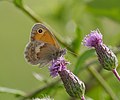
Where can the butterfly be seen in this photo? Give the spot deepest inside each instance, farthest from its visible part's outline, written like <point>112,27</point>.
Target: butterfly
<point>42,47</point>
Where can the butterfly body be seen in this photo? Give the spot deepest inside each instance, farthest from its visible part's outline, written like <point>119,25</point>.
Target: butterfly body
<point>42,48</point>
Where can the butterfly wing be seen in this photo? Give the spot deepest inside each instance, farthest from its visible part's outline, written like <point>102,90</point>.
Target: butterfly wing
<point>41,53</point>
<point>41,33</point>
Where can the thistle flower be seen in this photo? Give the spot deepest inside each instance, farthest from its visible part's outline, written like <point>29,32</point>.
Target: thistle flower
<point>93,39</point>
<point>58,65</point>
<point>73,86</point>
<point>105,56</point>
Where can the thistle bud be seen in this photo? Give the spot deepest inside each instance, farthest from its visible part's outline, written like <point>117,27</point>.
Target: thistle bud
<point>106,57</point>
<point>74,87</point>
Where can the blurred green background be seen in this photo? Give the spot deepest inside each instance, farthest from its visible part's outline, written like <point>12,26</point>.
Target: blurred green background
<point>71,20</point>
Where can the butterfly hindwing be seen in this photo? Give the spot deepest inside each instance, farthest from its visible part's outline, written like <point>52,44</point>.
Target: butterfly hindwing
<point>40,53</point>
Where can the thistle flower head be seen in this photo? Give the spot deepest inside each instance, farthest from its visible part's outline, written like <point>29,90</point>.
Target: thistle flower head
<point>105,56</point>
<point>93,39</point>
<point>58,65</point>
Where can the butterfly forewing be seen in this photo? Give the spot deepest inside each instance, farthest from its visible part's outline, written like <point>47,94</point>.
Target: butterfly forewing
<point>45,35</point>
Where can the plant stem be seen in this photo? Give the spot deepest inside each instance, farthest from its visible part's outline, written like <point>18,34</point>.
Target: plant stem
<point>116,74</point>
<point>103,83</point>
<point>31,13</point>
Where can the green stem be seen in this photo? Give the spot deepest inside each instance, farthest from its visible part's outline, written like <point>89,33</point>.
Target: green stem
<point>31,13</point>
<point>103,83</point>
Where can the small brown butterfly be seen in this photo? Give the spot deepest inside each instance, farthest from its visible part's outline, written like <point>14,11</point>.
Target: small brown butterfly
<point>43,47</point>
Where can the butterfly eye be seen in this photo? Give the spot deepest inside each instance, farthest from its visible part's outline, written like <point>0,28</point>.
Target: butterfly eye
<point>40,30</point>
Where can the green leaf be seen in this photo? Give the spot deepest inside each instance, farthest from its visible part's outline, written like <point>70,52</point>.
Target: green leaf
<point>12,91</point>
<point>82,58</point>
<point>77,41</point>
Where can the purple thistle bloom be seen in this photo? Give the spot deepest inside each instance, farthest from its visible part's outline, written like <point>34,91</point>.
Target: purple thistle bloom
<point>93,39</point>
<point>57,66</point>
<point>106,57</point>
